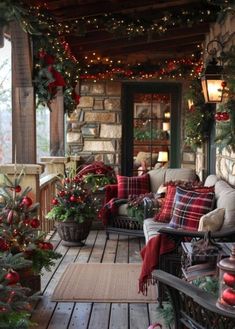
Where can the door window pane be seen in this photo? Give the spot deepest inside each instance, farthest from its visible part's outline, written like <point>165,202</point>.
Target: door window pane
<point>151,131</point>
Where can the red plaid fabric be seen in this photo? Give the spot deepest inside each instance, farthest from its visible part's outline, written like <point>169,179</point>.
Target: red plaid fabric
<point>111,191</point>
<point>190,206</point>
<point>166,211</point>
<point>132,185</point>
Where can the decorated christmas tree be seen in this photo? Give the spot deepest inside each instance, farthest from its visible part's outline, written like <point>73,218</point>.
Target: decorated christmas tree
<point>15,305</point>
<point>19,227</point>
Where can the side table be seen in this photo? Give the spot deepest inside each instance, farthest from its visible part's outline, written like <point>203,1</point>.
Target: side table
<point>193,267</point>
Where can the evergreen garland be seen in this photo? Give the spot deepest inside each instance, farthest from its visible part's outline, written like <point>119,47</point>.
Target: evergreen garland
<point>225,130</point>
<point>198,118</point>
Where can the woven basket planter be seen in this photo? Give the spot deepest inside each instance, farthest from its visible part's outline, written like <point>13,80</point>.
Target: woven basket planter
<point>73,233</point>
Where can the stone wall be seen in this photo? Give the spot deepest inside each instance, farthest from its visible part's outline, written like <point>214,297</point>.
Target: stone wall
<point>94,129</point>
<point>225,161</point>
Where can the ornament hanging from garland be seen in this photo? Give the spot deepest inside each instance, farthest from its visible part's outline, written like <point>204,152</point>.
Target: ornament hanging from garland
<point>222,116</point>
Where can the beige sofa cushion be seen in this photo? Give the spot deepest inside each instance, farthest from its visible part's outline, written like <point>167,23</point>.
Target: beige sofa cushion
<point>157,177</point>
<point>151,228</point>
<point>162,175</point>
<point>225,198</point>
<point>211,180</point>
<point>212,221</point>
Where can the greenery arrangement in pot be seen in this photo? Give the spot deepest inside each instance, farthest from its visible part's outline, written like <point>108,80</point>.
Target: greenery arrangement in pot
<point>96,175</point>
<point>74,208</point>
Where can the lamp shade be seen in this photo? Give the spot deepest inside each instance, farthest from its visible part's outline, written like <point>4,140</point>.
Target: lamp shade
<point>166,126</point>
<point>163,156</point>
<point>211,81</point>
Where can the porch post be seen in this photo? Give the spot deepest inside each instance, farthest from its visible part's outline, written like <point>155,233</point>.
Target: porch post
<point>57,147</point>
<point>23,104</point>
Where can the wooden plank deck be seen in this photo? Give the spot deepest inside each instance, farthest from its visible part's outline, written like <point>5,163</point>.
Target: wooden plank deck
<point>119,249</point>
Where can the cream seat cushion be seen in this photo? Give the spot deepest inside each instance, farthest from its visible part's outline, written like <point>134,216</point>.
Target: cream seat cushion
<point>151,228</point>
<point>212,221</point>
<point>225,198</point>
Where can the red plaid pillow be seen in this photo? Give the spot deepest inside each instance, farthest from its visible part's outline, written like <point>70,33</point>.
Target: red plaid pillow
<point>132,185</point>
<point>189,207</point>
<point>166,210</point>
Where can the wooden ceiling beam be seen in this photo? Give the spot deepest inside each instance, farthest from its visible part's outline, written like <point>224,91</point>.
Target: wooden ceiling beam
<point>159,46</point>
<point>94,39</point>
<point>63,12</point>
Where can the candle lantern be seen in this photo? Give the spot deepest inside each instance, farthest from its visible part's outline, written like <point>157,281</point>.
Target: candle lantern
<point>226,299</point>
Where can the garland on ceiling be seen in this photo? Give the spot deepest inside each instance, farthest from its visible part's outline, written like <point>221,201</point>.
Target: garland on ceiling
<point>55,66</point>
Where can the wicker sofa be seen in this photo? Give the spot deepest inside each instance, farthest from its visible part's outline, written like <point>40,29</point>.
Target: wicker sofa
<point>122,223</point>
<point>224,198</point>
<point>171,262</point>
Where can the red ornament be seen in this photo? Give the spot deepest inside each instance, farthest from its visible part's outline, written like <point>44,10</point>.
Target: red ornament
<point>18,189</point>
<point>229,296</point>
<point>229,279</point>
<point>73,198</point>
<point>223,84</point>
<point>34,223</point>
<point>27,201</point>
<point>224,116</point>
<point>55,202</point>
<point>4,245</point>
<point>62,193</point>
<point>46,245</point>
<point>12,277</point>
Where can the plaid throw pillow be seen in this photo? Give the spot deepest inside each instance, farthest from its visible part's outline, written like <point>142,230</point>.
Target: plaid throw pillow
<point>166,211</point>
<point>132,185</point>
<point>189,207</point>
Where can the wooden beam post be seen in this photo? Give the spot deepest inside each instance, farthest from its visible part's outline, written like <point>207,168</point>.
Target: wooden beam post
<point>57,144</point>
<point>23,103</point>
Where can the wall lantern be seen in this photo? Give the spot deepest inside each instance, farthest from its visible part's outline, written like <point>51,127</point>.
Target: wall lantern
<point>212,77</point>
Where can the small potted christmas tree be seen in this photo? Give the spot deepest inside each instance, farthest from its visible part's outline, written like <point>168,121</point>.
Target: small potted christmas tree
<point>19,232</point>
<point>15,304</point>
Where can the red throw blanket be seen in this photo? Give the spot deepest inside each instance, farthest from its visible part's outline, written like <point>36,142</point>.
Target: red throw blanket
<point>110,209</point>
<point>157,246</point>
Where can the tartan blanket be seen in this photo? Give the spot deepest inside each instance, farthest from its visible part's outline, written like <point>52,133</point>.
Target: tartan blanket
<point>110,209</point>
<point>157,246</point>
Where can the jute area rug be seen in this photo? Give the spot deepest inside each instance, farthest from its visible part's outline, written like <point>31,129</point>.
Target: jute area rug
<point>102,282</point>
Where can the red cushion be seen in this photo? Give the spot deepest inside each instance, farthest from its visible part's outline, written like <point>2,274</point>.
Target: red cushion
<point>166,211</point>
<point>190,206</point>
<point>132,185</point>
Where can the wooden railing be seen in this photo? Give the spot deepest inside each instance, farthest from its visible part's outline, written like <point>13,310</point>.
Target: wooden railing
<point>47,192</point>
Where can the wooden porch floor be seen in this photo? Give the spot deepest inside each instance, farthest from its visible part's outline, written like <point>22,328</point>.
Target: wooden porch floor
<point>119,249</point>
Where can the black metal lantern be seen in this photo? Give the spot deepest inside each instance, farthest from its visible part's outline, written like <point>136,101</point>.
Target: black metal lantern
<point>212,77</point>
<point>212,82</point>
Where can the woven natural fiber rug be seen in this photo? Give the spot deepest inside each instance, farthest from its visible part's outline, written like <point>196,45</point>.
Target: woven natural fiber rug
<point>102,282</point>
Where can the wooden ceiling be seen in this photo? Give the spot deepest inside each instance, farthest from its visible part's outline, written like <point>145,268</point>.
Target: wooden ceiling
<point>133,30</point>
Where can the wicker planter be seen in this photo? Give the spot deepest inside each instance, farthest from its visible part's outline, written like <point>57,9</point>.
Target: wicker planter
<point>73,233</point>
